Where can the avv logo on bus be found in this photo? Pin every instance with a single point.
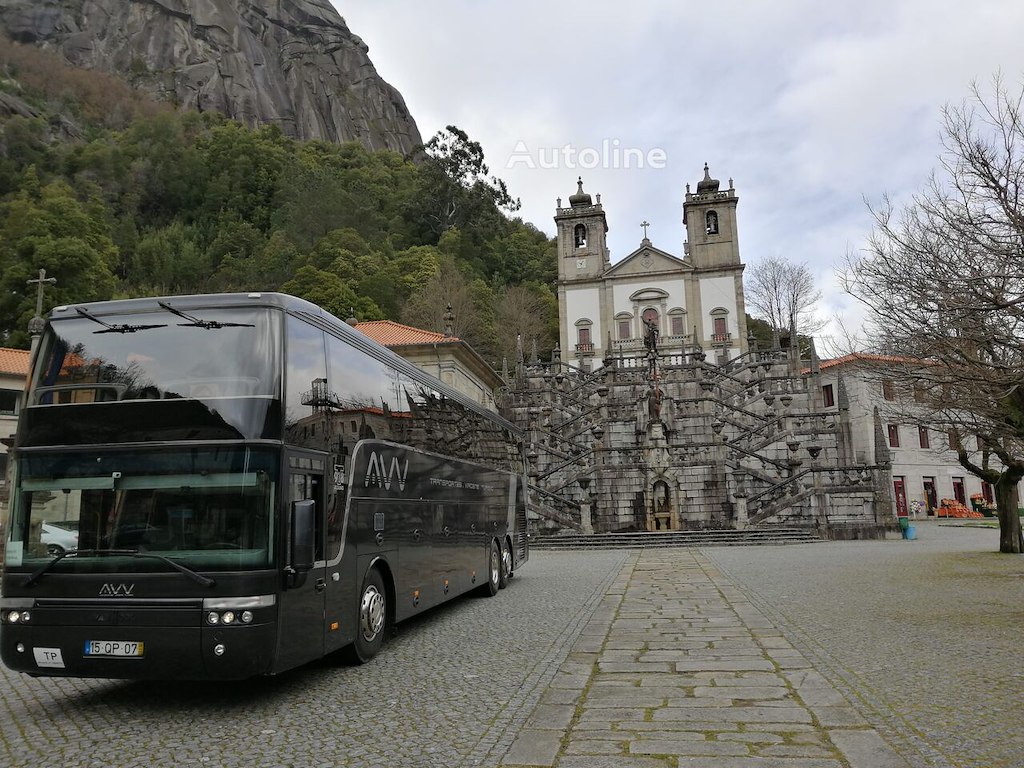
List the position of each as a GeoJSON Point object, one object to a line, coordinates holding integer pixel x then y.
{"type": "Point", "coordinates": [380, 475]}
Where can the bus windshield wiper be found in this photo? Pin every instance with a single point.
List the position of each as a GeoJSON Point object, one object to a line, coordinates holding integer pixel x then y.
{"type": "Point", "coordinates": [117, 327]}
{"type": "Point", "coordinates": [195, 322]}
{"type": "Point", "coordinates": [196, 577]}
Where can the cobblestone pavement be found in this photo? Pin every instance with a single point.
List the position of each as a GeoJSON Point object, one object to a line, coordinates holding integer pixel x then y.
{"type": "Point", "coordinates": [452, 689]}
{"type": "Point", "coordinates": [894, 654]}
{"type": "Point", "coordinates": [924, 637]}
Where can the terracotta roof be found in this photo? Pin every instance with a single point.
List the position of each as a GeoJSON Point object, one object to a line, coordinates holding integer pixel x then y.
{"type": "Point", "coordinates": [14, 362]}
{"type": "Point", "coordinates": [392, 334]}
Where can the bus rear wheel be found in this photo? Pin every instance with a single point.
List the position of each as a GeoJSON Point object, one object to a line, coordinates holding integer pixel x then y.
{"type": "Point", "coordinates": [490, 589]}
{"type": "Point", "coordinates": [372, 618]}
{"type": "Point", "coordinates": [506, 565]}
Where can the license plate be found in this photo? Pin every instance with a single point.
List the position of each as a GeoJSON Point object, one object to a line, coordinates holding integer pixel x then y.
{"type": "Point", "coordinates": [118, 648]}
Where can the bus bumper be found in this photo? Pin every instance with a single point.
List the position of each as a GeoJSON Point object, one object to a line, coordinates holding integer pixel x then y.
{"type": "Point", "coordinates": [139, 652]}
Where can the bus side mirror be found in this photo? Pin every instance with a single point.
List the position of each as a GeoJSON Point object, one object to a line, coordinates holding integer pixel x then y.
{"type": "Point", "coordinates": [303, 532]}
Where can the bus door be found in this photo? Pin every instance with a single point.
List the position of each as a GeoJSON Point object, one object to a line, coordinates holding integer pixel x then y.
{"type": "Point", "coordinates": [301, 615]}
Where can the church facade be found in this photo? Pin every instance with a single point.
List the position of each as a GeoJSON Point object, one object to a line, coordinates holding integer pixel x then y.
{"type": "Point", "coordinates": [658, 412]}
{"type": "Point", "coordinates": [692, 301]}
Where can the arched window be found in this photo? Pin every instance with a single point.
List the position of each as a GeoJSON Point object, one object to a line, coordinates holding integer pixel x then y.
{"type": "Point", "coordinates": [580, 236]}
{"type": "Point", "coordinates": [650, 316]}
{"type": "Point", "coordinates": [711, 223]}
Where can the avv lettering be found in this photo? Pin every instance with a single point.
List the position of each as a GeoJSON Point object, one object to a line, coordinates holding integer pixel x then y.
{"type": "Point", "coordinates": [380, 475]}
{"type": "Point", "coordinates": [117, 590]}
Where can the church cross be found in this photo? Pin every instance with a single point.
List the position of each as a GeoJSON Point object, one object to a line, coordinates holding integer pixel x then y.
{"type": "Point", "coordinates": [645, 224]}
{"type": "Point", "coordinates": [42, 281]}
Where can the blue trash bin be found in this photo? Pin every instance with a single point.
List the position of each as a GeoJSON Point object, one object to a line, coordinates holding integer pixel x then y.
{"type": "Point", "coordinates": [911, 532]}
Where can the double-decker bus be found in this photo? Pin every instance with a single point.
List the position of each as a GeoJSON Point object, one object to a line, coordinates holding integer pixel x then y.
{"type": "Point", "coordinates": [224, 486]}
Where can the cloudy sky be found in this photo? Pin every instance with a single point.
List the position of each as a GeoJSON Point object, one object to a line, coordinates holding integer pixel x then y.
{"type": "Point", "coordinates": [811, 107]}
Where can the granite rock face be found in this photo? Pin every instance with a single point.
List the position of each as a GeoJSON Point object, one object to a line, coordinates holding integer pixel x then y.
{"type": "Point", "coordinates": [293, 63]}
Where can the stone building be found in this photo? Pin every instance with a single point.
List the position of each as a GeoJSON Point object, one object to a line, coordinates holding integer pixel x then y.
{"type": "Point", "coordinates": [442, 355]}
{"type": "Point", "coordinates": [683, 424]}
{"type": "Point", "coordinates": [13, 377]}
{"type": "Point", "coordinates": [925, 468]}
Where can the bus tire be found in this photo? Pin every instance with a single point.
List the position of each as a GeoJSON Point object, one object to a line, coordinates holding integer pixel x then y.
{"type": "Point", "coordinates": [506, 565]}
{"type": "Point", "coordinates": [371, 618]}
{"type": "Point", "coordinates": [490, 589]}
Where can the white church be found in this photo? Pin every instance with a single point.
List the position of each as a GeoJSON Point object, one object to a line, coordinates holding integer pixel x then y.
{"type": "Point", "coordinates": [695, 301]}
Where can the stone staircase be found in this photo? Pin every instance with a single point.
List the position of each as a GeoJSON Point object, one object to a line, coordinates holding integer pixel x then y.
{"type": "Point", "coordinates": [707, 538]}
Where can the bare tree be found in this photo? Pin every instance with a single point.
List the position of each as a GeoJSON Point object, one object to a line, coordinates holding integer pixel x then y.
{"type": "Point", "coordinates": [943, 280]}
{"type": "Point", "coordinates": [470, 302]}
{"type": "Point", "coordinates": [781, 293]}
{"type": "Point", "coordinates": [526, 314]}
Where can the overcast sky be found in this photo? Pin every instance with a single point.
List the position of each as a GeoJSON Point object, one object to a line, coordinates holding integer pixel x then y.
{"type": "Point", "coordinates": [810, 107]}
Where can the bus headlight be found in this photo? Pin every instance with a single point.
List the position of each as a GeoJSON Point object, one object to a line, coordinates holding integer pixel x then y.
{"type": "Point", "coordinates": [213, 617]}
{"type": "Point", "coordinates": [247, 617]}
{"type": "Point", "coordinates": [14, 617]}
{"type": "Point", "coordinates": [26, 617]}
{"type": "Point", "coordinates": [228, 617]}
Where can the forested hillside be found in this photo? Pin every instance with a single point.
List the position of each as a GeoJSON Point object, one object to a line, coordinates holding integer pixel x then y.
{"type": "Point", "coordinates": [119, 197]}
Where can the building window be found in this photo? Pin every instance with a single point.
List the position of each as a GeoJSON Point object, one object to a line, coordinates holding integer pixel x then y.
{"type": "Point", "coordinates": [678, 327]}
{"type": "Point", "coordinates": [625, 329]}
{"type": "Point", "coordinates": [711, 223]}
{"type": "Point", "coordinates": [988, 492]}
{"type": "Point", "coordinates": [720, 333]}
{"type": "Point", "coordinates": [580, 236]}
{"type": "Point", "coordinates": [922, 436]}
{"type": "Point", "coordinates": [9, 402]}
{"type": "Point", "coordinates": [888, 391]}
{"type": "Point", "coordinates": [583, 340]}
{"type": "Point", "coordinates": [827, 398]}
{"type": "Point", "coordinates": [894, 436]}
{"type": "Point", "coordinates": [954, 440]}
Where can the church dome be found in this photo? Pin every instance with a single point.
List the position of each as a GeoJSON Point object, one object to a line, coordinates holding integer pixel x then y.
{"type": "Point", "coordinates": [707, 184]}
{"type": "Point", "coordinates": [581, 198]}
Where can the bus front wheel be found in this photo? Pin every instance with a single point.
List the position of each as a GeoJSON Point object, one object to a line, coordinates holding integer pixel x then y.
{"type": "Point", "coordinates": [372, 618]}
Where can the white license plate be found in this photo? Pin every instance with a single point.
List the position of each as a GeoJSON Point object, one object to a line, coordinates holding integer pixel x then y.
{"type": "Point", "coordinates": [119, 648]}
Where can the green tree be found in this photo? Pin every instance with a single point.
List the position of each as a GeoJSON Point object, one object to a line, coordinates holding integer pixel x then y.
{"type": "Point", "coordinates": [48, 228]}
{"type": "Point", "coordinates": [330, 292]}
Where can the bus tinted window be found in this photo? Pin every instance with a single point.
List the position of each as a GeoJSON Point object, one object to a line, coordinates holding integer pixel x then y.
{"type": "Point", "coordinates": [158, 355]}
{"type": "Point", "coordinates": [306, 377]}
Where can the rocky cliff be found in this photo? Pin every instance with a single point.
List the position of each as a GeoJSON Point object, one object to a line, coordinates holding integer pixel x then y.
{"type": "Point", "coordinates": [293, 63]}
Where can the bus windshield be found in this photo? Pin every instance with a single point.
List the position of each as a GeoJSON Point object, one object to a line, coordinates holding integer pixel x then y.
{"type": "Point", "coordinates": [205, 508]}
{"type": "Point", "coordinates": [162, 354]}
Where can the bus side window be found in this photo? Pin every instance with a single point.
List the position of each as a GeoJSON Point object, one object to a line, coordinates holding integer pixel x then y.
{"type": "Point", "coordinates": [310, 486]}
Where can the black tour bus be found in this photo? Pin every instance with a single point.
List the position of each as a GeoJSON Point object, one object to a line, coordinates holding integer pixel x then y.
{"type": "Point", "coordinates": [223, 486]}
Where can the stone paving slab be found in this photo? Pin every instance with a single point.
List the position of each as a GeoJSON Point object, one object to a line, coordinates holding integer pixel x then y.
{"type": "Point", "coordinates": [688, 672]}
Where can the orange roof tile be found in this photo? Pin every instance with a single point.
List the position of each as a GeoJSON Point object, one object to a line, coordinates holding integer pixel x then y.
{"type": "Point", "coordinates": [392, 334]}
{"type": "Point", "coordinates": [14, 362]}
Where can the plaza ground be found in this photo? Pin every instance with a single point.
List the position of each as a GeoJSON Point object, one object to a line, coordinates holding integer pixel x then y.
{"type": "Point", "coordinates": [825, 655]}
